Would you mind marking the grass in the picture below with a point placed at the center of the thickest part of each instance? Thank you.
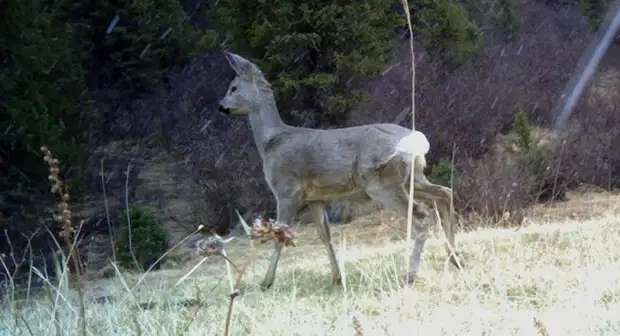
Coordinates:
(564, 275)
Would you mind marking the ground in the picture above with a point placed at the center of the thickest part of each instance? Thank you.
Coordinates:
(559, 274)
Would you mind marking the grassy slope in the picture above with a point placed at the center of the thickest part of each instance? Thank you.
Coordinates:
(565, 274)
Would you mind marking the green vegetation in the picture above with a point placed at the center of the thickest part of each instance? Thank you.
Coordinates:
(532, 157)
(446, 31)
(312, 51)
(149, 238)
(506, 18)
(41, 81)
(594, 11)
(443, 173)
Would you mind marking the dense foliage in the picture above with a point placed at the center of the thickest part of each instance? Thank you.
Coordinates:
(445, 29)
(56, 53)
(312, 52)
(131, 46)
(41, 82)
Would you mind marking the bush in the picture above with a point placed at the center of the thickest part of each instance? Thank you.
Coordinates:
(312, 52)
(492, 191)
(589, 153)
(507, 18)
(149, 238)
(218, 191)
(519, 170)
(443, 173)
(594, 11)
(446, 31)
(533, 155)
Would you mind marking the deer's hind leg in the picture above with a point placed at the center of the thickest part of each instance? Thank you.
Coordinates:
(322, 224)
(287, 207)
(443, 198)
(394, 196)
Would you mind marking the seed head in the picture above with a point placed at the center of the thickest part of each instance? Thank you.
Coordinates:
(210, 246)
(266, 230)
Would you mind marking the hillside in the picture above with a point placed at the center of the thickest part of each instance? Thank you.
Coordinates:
(548, 278)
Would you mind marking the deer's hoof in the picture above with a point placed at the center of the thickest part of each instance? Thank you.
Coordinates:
(421, 214)
(457, 260)
(265, 285)
(337, 282)
(409, 278)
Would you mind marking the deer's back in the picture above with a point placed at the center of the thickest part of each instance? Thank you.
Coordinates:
(328, 164)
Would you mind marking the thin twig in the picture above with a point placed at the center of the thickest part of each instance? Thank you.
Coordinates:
(143, 276)
(411, 180)
(127, 213)
(233, 295)
(107, 211)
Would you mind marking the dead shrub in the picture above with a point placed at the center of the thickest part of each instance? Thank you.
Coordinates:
(491, 192)
(522, 167)
(590, 150)
(219, 191)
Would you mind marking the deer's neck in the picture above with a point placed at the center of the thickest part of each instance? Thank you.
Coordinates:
(266, 122)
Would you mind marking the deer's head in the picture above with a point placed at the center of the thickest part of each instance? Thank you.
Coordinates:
(243, 90)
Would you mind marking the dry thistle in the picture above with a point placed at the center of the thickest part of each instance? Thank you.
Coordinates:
(357, 326)
(212, 245)
(64, 218)
(540, 327)
(266, 230)
(58, 187)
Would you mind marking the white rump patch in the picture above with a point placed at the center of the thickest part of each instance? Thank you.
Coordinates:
(415, 144)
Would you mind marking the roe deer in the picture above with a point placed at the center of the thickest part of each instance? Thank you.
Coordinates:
(314, 166)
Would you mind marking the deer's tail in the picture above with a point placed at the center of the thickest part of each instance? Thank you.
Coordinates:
(415, 144)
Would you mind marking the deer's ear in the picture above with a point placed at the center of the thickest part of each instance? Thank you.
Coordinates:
(242, 66)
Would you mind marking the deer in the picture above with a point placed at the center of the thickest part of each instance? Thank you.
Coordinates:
(314, 166)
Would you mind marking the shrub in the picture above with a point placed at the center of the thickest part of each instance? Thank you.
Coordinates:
(446, 31)
(444, 173)
(149, 238)
(516, 173)
(218, 191)
(493, 191)
(533, 156)
(594, 11)
(589, 151)
(507, 18)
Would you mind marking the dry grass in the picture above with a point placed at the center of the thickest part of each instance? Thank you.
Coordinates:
(584, 203)
(560, 278)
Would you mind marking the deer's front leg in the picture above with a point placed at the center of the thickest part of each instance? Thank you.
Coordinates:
(287, 207)
(322, 225)
(416, 254)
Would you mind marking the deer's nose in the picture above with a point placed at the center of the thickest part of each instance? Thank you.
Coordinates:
(224, 110)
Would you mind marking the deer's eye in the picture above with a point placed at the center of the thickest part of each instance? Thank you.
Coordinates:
(233, 89)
